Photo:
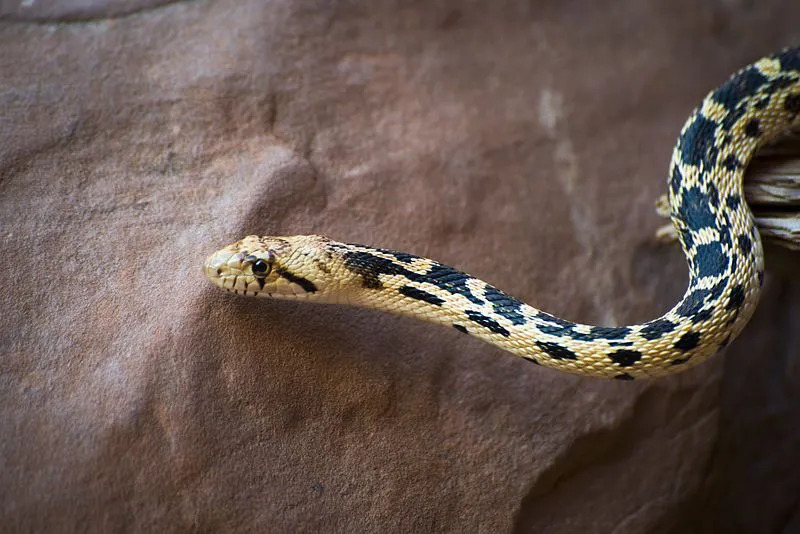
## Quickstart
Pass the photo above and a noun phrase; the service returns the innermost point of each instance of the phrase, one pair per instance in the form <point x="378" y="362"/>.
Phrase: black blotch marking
<point x="694" y="210"/>
<point x="736" y="298"/>
<point x="744" y="84"/>
<point x="693" y="303"/>
<point x="370" y="267"/>
<point x="307" y="285"/>
<point x="404" y="257"/>
<point x="697" y="143"/>
<point x="725" y="234"/>
<point x="623" y="376"/>
<point x="602" y="332"/>
<point x="556" y="351"/>
<point x="559" y="327"/>
<point x="762" y="103"/>
<point x="731" y="163"/>
<point x="686" y="237"/>
<point x="752" y="128"/>
<point x="461" y="328"/>
<point x="792" y="103"/>
<point x="733" y="201"/>
<point x="688" y="341"/>
<point x="710" y="259"/>
<point x="713" y="195"/>
<point x="676" y="180"/>
<point x="745" y="245"/>
<point x="789" y="59"/>
<point x="451" y="280"/>
<point x="625" y="357"/>
<point x="717" y="290"/>
<point x="504" y="305"/>
<point x="734" y="262"/>
<point x="419" y="294"/>
<point x="620" y="343"/>
<point x="702" y="315"/>
<point x="656" y="329"/>
<point x="487" y="322"/>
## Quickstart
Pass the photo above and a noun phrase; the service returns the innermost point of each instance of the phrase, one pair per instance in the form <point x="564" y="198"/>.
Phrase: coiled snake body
<point x="715" y="226"/>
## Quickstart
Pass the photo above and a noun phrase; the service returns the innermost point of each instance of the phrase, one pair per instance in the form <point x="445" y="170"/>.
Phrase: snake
<point x="715" y="227"/>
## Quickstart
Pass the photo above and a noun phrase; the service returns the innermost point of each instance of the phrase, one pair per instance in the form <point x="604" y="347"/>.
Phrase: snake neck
<point x="717" y="233"/>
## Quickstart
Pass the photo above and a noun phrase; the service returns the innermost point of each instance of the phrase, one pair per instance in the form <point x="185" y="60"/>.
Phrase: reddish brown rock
<point x="524" y="143"/>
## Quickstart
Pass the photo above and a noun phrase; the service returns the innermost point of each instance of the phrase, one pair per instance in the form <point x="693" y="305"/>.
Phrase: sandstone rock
<point x="524" y="143"/>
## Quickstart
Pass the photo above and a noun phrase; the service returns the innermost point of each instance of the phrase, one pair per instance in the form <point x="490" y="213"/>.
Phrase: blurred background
<point x="524" y="142"/>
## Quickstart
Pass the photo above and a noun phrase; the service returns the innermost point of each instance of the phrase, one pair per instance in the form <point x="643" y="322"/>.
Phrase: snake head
<point x="278" y="267"/>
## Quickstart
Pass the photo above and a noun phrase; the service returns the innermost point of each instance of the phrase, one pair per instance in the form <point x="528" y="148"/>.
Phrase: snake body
<point x="716" y="229"/>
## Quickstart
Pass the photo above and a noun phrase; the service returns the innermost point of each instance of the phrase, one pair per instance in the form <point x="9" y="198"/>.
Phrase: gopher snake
<point x="716" y="230"/>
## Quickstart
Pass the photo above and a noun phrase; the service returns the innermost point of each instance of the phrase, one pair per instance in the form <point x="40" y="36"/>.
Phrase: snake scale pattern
<point x="716" y="229"/>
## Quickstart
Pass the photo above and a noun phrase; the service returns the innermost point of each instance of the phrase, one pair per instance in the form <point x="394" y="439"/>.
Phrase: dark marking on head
<point x="736" y="298"/>
<point x="418" y="294"/>
<point x="623" y="376"/>
<point x="461" y="328"/>
<point x="487" y="322"/>
<point x="504" y="305"/>
<point x="752" y="128"/>
<point x="625" y="357"/>
<point x="307" y="285"/>
<point x="322" y="266"/>
<point x="688" y="341"/>
<point x="556" y="351"/>
<point x="710" y="259"/>
<point x="656" y="329"/>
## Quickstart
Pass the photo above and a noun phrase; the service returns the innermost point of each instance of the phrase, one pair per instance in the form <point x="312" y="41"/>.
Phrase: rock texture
<point x="522" y="141"/>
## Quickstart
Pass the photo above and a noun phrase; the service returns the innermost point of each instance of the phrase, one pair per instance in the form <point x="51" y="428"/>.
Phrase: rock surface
<point x="523" y="142"/>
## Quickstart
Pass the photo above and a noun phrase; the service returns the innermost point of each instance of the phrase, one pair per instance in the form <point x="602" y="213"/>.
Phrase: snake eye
<point x="261" y="267"/>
